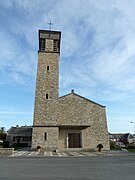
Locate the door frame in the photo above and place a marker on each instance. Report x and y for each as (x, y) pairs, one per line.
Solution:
(79, 143)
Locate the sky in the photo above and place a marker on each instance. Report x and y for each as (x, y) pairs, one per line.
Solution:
(97, 57)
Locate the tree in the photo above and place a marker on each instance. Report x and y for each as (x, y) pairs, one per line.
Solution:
(2, 134)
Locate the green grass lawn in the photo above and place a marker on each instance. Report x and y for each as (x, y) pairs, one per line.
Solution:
(1, 145)
(131, 150)
(116, 149)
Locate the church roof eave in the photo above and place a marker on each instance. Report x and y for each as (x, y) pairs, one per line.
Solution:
(72, 92)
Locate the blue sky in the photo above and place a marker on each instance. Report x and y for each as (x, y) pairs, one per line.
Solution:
(97, 56)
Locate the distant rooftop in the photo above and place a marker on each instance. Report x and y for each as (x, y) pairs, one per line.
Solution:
(26, 130)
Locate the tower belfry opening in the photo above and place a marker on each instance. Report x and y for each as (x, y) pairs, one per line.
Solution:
(49, 41)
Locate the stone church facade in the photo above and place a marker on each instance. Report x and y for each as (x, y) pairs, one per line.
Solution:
(68, 122)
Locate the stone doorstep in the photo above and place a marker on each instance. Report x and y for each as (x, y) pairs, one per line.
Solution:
(76, 150)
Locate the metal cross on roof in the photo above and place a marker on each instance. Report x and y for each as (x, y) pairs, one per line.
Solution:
(50, 25)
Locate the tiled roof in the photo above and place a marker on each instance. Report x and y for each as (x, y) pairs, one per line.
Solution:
(26, 130)
(121, 136)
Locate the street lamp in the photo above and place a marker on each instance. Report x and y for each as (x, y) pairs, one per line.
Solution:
(134, 124)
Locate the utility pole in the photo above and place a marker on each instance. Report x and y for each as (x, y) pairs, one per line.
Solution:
(134, 124)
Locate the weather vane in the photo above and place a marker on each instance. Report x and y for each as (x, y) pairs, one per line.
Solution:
(50, 25)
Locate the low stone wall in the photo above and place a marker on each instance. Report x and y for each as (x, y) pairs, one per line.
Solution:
(6, 151)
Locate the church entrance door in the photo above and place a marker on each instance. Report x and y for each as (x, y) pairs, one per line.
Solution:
(74, 140)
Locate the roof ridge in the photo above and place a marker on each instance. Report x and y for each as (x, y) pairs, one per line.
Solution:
(72, 92)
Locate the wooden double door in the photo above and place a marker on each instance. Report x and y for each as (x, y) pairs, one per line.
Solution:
(74, 140)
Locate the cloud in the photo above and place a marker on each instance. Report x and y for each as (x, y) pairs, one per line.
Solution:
(16, 63)
(112, 45)
(115, 68)
(97, 39)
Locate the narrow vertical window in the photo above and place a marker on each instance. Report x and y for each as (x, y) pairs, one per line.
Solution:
(45, 136)
(47, 68)
(46, 96)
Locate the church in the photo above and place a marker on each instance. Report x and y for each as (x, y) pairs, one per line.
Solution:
(70, 122)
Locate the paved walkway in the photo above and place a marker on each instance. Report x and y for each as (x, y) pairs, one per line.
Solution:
(68, 154)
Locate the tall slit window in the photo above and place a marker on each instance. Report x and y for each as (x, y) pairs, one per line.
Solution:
(47, 68)
(46, 96)
(45, 136)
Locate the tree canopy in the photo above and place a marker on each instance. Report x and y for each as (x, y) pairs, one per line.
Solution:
(2, 133)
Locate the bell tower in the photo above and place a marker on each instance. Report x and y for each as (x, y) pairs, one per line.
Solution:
(48, 64)
(47, 90)
(47, 83)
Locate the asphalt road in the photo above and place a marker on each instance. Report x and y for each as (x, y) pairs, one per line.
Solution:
(68, 168)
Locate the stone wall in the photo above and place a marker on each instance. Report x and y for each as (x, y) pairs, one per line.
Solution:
(6, 151)
(73, 113)
(47, 83)
(51, 141)
(75, 110)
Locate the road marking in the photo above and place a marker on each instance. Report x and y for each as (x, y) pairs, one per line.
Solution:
(47, 153)
(61, 154)
(33, 153)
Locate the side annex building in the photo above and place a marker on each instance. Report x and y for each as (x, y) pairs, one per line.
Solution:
(66, 122)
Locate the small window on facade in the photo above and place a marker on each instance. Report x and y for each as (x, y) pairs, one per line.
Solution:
(45, 136)
(26, 139)
(46, 96)
(13, 139)
(47, 68)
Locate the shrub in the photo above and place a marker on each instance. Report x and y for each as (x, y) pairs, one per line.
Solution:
(38, 147)
(6, 144)
(20, 145)
(1, 144)
(114, 146)
(131, 147)
(99, 146)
